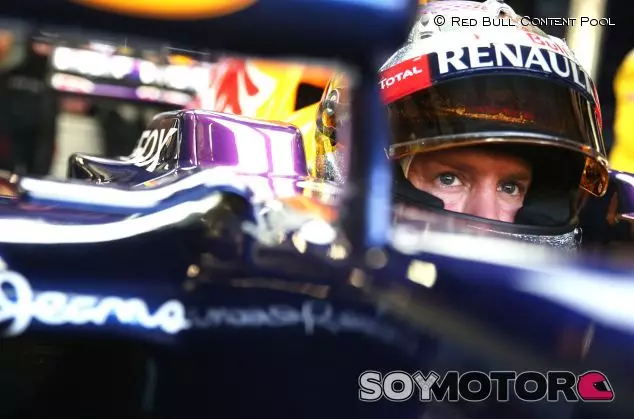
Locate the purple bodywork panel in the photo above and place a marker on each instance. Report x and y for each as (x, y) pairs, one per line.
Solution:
(193, 138)
(249, 145)
(268, 156)
(625, 191)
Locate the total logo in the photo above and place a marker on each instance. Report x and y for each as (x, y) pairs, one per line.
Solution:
(409, 72)
(405, 78)
(169, 9)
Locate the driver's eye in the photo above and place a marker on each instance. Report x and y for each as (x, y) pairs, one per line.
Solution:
(448, 179)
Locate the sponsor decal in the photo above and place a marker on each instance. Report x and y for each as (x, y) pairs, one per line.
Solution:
(21, 307)
(423, 71)
(552, 44)
(405, 78)
(512, 58)
(148, 150)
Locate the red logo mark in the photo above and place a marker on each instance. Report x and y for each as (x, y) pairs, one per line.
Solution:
(594, 386)
(405, 78)
(228, 76)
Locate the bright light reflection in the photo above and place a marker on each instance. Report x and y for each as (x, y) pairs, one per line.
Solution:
(106, 196)
(603, 297)
(28, 231)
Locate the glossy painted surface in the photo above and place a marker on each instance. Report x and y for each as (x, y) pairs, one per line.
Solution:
(604, 219)
(364, 31)
(625, 190)
(270, 27)
(193, 242)
(150, 257)
(206, 139)
(264, 89)
(249, 146)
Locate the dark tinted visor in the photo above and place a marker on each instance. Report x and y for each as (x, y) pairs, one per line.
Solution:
(500, 108)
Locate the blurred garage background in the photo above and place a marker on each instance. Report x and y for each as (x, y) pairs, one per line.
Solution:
(60, 95)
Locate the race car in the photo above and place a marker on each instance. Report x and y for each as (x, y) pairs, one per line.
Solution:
(269, 90)
(269, 156)
(122, 296)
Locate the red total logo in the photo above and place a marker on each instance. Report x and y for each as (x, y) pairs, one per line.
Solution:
(405, 78)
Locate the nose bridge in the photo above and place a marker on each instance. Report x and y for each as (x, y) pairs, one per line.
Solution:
(482, 201)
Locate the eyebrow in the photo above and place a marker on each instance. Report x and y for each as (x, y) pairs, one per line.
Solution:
(519, 177)
(516, 176)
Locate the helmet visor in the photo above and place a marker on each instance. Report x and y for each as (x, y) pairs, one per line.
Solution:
(501, 108)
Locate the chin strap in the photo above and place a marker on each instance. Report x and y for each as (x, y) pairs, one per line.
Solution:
(545, 208)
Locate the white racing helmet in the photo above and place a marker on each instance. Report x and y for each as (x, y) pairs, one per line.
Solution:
(490, 81)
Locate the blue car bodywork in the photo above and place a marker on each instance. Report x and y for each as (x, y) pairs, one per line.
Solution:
(188, 295)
